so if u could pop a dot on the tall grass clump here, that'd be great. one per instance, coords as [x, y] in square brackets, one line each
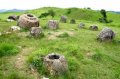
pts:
[8, 49]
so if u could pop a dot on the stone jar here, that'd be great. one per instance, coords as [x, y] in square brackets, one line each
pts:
[55, 64]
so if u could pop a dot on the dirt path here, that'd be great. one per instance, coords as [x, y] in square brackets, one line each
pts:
[21, 65]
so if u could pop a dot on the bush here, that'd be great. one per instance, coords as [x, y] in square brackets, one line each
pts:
[103, 20]
[51, 13]
[68, 11]
[8, 49]
[72, 21]
[44, 15]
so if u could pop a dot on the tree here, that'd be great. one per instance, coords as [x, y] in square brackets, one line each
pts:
[103, 12]
[104, 18]
[51, 13]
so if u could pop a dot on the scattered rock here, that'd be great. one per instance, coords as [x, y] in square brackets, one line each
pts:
[94, 28]
[36, 31]
[28, 21]
[13, 17]
[56, 64]
[7, 33]
[53, 24]
[45, 78]
[63, 19]
[14, 28]
[81, 25]
[106, 34]
[72, 21]
[9, 20]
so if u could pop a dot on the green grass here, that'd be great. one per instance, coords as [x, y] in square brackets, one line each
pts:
[8, 49]
[87, 58]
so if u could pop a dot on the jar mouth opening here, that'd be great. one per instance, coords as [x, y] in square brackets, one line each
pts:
[54, 57]
[29, 15]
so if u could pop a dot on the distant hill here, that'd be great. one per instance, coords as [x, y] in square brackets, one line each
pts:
[12, 10]
[115, 12]
[3, 10]
[75, 13]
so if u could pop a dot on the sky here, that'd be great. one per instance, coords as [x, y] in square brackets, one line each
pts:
[113, 5]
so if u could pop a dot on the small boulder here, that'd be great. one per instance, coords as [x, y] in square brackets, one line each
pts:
[81, 26]
[53, 24]
[9, 20]
[94, 28]
[14, 28]
[28, 21]
[13, 17]
[106, 34]
[55, 64]
[36, 32]
[63, 19]
[72, 21]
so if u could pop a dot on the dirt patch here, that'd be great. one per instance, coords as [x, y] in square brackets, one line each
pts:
[20, 64]
[53, 35]
[23, 34]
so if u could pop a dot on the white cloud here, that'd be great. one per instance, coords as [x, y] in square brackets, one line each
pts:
[32, 4]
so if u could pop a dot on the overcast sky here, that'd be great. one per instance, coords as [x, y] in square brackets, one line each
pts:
[32, 4]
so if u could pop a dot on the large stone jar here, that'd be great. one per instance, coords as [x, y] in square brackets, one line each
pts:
[55, 64]
[53, 24]
[28, 21]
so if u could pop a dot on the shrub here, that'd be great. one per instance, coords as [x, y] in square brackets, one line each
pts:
[68, 11]
[72, 21]
[8, 49]
[51, 13]
[43, 15]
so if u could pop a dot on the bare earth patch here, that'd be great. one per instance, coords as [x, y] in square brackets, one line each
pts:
[20, 64]
[54, 35]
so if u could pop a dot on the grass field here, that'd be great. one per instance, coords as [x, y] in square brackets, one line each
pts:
[87, 58]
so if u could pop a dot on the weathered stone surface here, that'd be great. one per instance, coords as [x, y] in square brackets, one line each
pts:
[94, 28]
[81, 26]
[36, 31]
[63, 19]
[28, 21]
[72, 21]
[56, 64]
[106, 34]
[14, 28]
[53, 24]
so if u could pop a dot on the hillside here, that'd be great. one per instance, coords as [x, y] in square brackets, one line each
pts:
[21, 55]
[76, 13]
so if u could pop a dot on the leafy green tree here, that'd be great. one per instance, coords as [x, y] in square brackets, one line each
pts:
[103, 12]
